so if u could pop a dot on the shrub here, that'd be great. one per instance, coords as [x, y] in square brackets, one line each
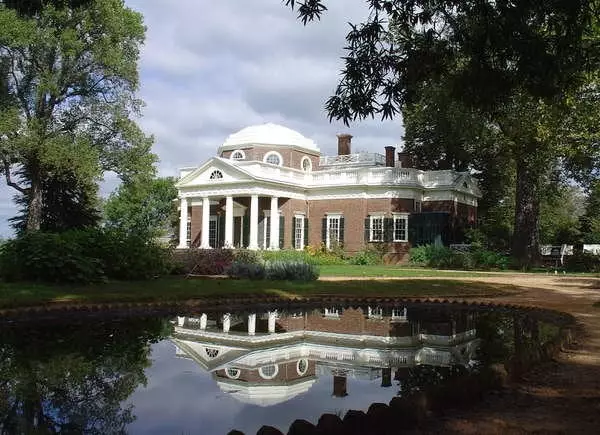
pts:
[291, 271]
[583, 262]
[367, 257]
[484, 259]
[319, 256]
[441, 257]
[246, 270]
[206, 261]
[247, 256]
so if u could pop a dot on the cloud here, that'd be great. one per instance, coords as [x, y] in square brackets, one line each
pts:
[209, 68]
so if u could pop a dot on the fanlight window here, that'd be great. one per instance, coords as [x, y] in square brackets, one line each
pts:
[216, 175]
[273, 158]
[302, 366]
[211, 352]
[233, 373]
[238, 155]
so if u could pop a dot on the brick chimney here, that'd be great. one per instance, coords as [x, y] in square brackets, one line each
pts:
[390, 156]
[339, 386]
[344, 142]
[405, 160]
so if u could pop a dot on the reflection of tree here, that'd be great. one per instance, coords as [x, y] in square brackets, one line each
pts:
[72, 378]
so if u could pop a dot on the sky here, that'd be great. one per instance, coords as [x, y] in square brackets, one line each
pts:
[210, 68]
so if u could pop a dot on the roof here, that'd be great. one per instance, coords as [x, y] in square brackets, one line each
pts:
[268, 134]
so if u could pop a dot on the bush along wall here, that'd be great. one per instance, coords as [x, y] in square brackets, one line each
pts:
[275, 270]
[82, 256]
[442, 257]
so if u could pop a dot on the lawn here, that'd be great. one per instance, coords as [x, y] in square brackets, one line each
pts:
[383, 271]
[180, 289]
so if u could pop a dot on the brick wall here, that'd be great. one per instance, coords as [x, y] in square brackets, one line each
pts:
[195, 213]
[428, 206]
[286, 372]
[292, 158]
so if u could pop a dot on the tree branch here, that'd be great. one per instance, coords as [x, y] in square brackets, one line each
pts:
[9, 180]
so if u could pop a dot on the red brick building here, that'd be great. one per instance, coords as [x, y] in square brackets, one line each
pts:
[269, 187]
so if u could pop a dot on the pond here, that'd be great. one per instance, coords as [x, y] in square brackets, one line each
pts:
[221, 369]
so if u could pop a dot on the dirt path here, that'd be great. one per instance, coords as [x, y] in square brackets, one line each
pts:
[562, 396]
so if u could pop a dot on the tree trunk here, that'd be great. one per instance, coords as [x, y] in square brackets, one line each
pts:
[34, 208]
[525, 246]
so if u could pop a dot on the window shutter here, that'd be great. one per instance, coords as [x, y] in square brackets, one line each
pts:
[367, 229]
[281, 231]
[324, 230]
[341, 231]
[305, 232]
[388, 229]
[294, 244]
[245, 236]
[220, 231]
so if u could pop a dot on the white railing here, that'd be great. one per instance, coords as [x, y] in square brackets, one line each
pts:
[353, 159]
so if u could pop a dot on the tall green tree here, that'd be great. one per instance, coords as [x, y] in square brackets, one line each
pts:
[522, 64]
[67, 103]
[144, 207]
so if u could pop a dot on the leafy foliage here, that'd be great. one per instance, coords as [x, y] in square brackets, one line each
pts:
[205, 261]
[145, 207]
[442, 257]
[368, 257]
[291, 271]
[242, 270]
[81, 256]
[67, 103]
[583, 262]
[318, 255]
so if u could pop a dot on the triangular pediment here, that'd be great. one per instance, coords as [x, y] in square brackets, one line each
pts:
[466, 183]
[213, 172]
[209, 356]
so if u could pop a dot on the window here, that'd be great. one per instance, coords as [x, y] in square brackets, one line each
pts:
[211, 352]
[188, 236]
[302, 366]
[232, 373]
[376, 229]
[306, 164]
[274, 158]
[268, 372]
[400, 228]
[238, 155]
[299, 232]
[216, 175]
[333, 231]
[212, 231]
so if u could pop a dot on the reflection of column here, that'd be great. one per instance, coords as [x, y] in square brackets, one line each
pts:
[180, 320]
[205, 243]
[229, 221]
[274, 223]
[183, 220]
[272, 319]
[386, 377]
[203, 319]
[226, 322]
[251, 324]
[339, 386]
[253, 244]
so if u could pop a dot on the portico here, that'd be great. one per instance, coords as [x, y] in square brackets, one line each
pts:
[232, 224]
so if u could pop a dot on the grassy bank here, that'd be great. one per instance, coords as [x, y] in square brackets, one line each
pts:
[383, 271]
[179, 289]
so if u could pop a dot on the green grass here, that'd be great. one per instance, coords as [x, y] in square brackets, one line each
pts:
[180, 289]
[394, 271]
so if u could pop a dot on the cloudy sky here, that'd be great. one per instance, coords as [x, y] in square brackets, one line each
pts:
[210, 68]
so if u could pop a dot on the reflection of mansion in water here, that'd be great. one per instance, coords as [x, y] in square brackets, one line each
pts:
[268, 358]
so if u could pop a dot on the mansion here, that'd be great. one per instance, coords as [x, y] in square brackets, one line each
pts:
[269, 187]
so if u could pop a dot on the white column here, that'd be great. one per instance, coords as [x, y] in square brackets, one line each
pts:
[251, 324]
[226, 322]
[229, 222]
[205, 244]
[183, 220]
[272, 318]
[274, 223]
[253, 243]
[203, 321]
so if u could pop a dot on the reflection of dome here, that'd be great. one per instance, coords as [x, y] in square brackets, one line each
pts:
[268, 134]
[265, 395]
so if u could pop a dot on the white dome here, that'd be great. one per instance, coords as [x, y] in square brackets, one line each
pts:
[265, 395]
[268, 134]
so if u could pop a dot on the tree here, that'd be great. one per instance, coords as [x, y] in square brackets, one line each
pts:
[144, 207]
[67, 103]
[590, 221]
[522, 64]
[68, 203]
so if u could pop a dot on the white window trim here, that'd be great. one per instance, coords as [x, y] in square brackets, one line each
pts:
[238, 372]
[330, 216]
[403, 216]
[264, 376]
[238, 151]
[271, 153]
[372, 218]
[302, 230]
[309, 164]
